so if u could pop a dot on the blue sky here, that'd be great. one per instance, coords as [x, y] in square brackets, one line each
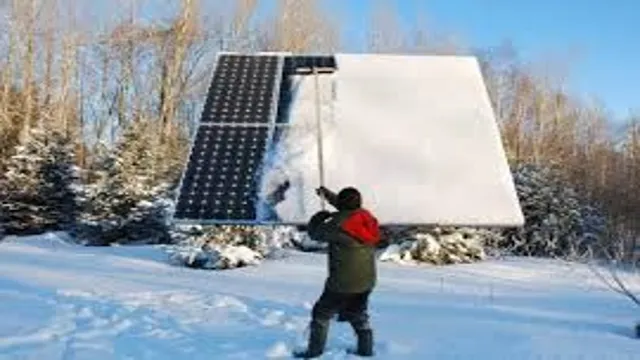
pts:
[601, 39]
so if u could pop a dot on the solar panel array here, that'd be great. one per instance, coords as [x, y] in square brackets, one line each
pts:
[245, 112]
[219, 183]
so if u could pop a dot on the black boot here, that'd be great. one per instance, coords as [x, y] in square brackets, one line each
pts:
[317, 342]
[365, 343]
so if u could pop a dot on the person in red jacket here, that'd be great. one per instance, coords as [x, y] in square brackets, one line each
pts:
[352, 234]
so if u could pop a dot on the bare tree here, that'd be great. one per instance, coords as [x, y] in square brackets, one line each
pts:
[241, 30]
[608, 270]
[300, 26]
[385, 34]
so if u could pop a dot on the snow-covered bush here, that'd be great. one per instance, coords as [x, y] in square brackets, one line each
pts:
[437, 246]
[557, 221]
[230, 246]
[126, 200]
[213, 256]
[39, 191]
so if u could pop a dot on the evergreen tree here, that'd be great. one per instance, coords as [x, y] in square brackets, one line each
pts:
[557, 221]
[40, 189]
[126, 200]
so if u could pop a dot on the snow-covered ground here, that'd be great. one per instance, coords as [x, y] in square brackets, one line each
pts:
[59, 301]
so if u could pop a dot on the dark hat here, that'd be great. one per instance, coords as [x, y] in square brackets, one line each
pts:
[349, 198]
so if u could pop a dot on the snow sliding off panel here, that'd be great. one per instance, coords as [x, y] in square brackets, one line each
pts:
[220, 180]
[294, 164]
[416, 134]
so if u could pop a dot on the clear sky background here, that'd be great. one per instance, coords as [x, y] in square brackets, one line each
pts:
[599, 39]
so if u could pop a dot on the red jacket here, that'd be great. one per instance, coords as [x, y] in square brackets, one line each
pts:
[363, 226]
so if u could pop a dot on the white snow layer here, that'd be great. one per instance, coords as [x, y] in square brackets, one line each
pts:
[295, 158]
[416, 134]
[59, 301]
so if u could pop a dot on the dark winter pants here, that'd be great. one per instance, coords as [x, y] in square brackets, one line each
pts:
[350, 307]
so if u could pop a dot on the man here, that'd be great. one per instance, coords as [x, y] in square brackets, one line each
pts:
[352, 234]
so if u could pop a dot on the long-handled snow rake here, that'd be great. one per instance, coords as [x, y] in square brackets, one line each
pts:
[316, 71]
[319, 133]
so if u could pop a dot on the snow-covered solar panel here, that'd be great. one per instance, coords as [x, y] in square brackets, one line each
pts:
[416, 134]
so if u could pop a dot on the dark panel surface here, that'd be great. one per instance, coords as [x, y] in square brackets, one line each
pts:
[242, 89]
[309, 61]
[300, 65]
[220, 180]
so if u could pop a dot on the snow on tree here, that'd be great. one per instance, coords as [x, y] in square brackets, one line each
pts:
[126, 200]
[221, 248]
[40, 190]
[557, 221]
[230, 246]
[438, 246]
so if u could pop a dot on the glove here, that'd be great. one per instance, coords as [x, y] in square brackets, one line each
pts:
[315, 223]
[319, 218]
[328, 195]
[322, 191]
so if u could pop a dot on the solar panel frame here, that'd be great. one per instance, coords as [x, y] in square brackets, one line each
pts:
[269, 143]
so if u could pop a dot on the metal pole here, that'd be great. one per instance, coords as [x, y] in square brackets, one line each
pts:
[319, 133]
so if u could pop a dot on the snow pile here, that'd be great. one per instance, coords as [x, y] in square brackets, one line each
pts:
[438, 246]
[48, 240]
[275, 238]
[214, 256]
[558, 221]
[226, 247]
[222, 247]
